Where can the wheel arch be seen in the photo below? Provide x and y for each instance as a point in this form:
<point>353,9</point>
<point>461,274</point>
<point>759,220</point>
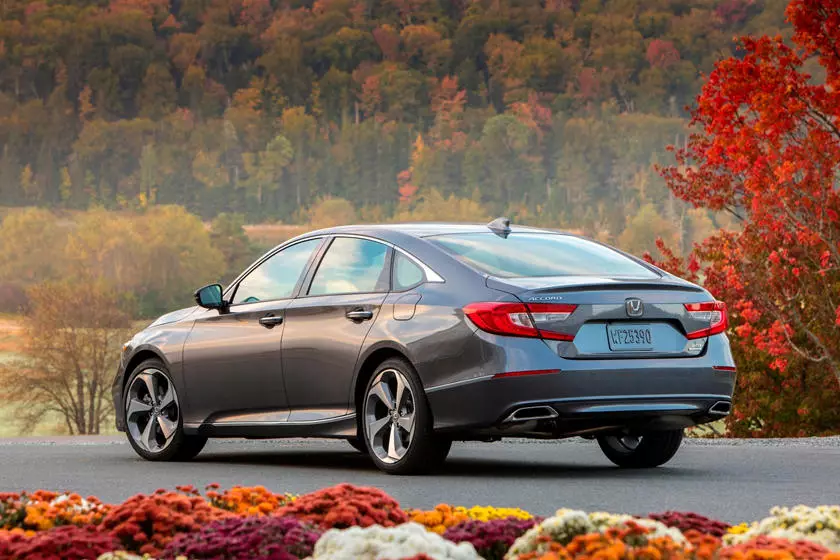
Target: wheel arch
<point>368,366</point>
<point>141,355</point>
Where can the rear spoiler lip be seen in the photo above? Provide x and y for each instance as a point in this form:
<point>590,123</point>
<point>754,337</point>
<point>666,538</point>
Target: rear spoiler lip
<point>618,285</point>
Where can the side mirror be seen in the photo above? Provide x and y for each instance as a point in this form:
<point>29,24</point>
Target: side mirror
<point>210,297</point>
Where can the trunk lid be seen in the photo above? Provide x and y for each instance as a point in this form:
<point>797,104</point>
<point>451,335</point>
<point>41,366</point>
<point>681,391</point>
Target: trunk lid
<point>616,317</point>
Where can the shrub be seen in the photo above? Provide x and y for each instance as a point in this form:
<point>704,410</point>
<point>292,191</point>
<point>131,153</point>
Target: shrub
<point>405,541</point>
<point>685,521</point>
<point>444,516</point>
<point>630,543</point>
<point>67,543</point>
<point>146,524</point>
<point>771,547</point>
<point>567,524</point>
<point>491,539</point>
<point>248,500</point>
<point>43,510</point>
<point>242,538</point>
<point>440,519</point>
<point>13,298</point>
<point>819,524</point>
<point>345,506</point>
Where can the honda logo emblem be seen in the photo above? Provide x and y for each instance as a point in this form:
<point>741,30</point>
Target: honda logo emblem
<point>634,307</point>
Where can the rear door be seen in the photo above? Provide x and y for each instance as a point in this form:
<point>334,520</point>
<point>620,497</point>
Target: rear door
<point>326,325</point>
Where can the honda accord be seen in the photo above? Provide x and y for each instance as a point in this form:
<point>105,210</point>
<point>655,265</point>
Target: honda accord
<point>404,338</point>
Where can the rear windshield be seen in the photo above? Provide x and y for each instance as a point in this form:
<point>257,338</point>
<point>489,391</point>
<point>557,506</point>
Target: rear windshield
<point>539,254</point>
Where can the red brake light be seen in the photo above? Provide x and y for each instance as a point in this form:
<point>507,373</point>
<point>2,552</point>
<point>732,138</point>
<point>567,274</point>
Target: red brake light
<point>519,319</point>
<point>712,311</point>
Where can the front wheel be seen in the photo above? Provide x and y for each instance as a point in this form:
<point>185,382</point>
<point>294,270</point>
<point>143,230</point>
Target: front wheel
<point>642,450</point>
<point>153,416</point>
<point>397,421</point>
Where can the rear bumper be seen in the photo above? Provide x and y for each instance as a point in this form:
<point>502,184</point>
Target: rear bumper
<point>587,396</point>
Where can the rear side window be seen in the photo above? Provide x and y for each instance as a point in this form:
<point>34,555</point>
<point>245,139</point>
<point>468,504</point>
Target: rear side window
<point>406,273</point>
<point>539,254</point>
<point>352,266</point>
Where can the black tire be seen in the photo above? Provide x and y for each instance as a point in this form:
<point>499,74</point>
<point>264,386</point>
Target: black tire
<point>426,450</point>
<point>180,447</point>
<point>358,444</point>
<point>653,449</point>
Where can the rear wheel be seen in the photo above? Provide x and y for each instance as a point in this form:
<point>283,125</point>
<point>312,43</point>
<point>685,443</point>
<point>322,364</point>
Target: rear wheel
<point>641,450</point>
<point>397,421</point>
<point>153,416</point>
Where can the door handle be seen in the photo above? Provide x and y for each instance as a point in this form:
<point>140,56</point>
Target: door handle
<point>270,320</point>
<point>359,315</point>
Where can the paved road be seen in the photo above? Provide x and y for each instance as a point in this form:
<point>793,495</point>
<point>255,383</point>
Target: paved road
<point>734,481</point>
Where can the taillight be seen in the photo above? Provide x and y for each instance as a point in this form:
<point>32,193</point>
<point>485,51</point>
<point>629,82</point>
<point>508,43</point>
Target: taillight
<point>713,312</point>
<point>519,319</point>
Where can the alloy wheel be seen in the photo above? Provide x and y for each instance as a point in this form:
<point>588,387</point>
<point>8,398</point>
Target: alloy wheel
<point>390,416</point>
<point>151,410</point>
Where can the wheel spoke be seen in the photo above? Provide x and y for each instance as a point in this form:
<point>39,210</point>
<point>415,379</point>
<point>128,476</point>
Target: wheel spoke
<point>136,406</point>
<point>400,390</point>
<point>392,444</point>
<point>168,397</point>
<point>407,422</point>
<point>151,384</point>
<point>383,392</point>
<point>375,426</point>
<point>147,438</point>
<point>167,426</point>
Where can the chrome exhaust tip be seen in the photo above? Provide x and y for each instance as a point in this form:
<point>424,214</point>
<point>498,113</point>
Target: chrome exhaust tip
<point>721,408</point>
<point>527,413</point>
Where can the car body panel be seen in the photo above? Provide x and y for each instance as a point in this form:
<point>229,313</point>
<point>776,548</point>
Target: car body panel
<point>303,377</point>
<point>320,349</point>
<point>233,364</point>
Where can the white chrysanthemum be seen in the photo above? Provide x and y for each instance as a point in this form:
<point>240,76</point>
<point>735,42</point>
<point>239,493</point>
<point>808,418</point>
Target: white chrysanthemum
<point>83,506</point>
<point>567,524</point>
<point>819,524</point>
<point>374,543</point>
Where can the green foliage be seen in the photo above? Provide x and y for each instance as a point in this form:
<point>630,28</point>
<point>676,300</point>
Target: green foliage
<point>329,212</point>
<point>549,110</point>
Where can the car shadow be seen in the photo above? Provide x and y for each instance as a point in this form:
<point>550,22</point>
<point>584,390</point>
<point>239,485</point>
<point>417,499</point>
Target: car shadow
<point>455,467</point>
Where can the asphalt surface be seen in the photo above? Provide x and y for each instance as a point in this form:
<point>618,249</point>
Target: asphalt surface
<point>733,480</point>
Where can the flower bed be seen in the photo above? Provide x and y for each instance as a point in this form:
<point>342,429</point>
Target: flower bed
<point>346,521</point>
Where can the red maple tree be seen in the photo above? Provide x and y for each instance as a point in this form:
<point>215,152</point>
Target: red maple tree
<point>767,150</point>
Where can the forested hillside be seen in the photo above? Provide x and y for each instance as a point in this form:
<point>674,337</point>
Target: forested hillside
<point>550,110</point>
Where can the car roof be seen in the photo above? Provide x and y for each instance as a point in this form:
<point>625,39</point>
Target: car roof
<point>425,229</point>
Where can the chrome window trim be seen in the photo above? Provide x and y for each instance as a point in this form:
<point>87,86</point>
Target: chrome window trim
<point>431,276</point>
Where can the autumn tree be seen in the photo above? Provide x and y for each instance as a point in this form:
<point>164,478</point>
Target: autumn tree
<point>73,335</point>
<point>768,152</point>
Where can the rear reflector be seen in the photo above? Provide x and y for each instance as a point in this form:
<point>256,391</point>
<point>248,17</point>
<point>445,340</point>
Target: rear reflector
<point>526,372</point>
<point>724,368</point>
<point>534,320</point>
<point>713,312</point>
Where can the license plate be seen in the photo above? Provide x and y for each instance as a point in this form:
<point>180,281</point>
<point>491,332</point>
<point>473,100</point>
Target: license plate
<point>633,338</point>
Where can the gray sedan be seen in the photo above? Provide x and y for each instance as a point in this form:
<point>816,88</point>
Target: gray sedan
<point>404,338</point>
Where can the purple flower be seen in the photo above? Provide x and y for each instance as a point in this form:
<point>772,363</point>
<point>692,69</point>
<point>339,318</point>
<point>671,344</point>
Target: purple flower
<point>491,539</point>
<point>258,538</point>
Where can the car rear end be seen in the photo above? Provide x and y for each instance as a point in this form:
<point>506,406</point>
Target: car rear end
<point>579,338</point>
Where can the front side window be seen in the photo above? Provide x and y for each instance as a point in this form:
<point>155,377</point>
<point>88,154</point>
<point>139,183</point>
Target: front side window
<point>351,266</point>
<point>539,254</point>
<point>276,277</point>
